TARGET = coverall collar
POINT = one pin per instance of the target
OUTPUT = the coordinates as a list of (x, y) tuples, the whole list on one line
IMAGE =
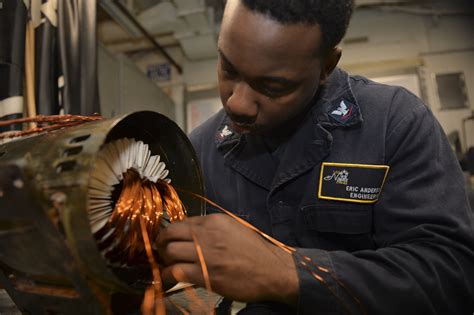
[(335, 107)]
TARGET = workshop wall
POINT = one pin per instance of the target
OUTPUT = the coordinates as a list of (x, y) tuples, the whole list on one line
[(173, 85), (374, 36), (447, 63), (199, 75), (380, 44), (123, 88)]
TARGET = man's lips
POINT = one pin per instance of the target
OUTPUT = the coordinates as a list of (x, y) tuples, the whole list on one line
[(240, 128)]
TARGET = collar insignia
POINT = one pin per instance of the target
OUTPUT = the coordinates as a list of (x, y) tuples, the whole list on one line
[(343, 112), (225, 132), (225, 135)]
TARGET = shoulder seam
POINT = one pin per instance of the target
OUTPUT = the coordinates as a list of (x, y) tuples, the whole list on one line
[(405, 119)]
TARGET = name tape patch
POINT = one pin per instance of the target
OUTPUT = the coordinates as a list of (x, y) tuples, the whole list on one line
[(359, 183)]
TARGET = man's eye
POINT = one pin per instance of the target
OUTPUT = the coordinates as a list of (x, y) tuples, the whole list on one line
[(273, 92), (229, 73)]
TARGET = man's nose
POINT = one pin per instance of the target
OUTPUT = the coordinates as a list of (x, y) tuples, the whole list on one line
[(242, 105)]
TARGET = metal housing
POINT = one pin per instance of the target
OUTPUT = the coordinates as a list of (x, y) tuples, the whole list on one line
[(48, 257)]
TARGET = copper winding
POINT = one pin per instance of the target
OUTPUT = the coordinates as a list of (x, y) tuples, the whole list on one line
[(134, 225), (121, 237)]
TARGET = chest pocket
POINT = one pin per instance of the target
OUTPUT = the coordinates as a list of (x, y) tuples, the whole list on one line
[(339, 225)]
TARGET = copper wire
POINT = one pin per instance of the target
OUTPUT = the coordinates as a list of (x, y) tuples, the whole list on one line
[(205, 273), (134, 224), (189, 292), (179, 307), (121, 238), (45, 124), (318, 277), (157, 287), (56, 119)]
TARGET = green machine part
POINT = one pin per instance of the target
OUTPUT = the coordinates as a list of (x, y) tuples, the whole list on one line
[(49, 260)]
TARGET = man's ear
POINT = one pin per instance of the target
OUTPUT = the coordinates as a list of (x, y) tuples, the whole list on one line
[(330, 62)]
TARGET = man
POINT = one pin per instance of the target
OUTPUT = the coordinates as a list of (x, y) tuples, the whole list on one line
[(356, 175)]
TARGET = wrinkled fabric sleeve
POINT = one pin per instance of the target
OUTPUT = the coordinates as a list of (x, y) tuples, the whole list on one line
[(422, 227)]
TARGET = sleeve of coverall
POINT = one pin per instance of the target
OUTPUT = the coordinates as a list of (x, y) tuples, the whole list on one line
[(423, 229)]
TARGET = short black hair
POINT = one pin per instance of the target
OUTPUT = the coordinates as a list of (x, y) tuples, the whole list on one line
[(332, 16)]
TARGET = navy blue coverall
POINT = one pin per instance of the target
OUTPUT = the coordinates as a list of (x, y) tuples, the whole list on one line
[(398, 239)]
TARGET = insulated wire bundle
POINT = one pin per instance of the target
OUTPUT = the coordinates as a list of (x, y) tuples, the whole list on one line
[(129, 187)]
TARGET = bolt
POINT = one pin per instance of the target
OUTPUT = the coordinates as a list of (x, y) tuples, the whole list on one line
[(18, 183), (59, 199)]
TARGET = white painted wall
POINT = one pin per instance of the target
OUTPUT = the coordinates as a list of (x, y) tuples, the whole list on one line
[(174, 88), (390, 36), (447, 63), (400, 43), (123, 88), (394, 35), (197, 75), (409, 81)]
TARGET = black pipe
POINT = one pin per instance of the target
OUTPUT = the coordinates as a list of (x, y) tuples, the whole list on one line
[(464, 121), (78, 51), (13, 16), (147, 35), (47, 68)]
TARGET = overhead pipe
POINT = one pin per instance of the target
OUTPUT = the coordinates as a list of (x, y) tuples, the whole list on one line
[(147, 35)]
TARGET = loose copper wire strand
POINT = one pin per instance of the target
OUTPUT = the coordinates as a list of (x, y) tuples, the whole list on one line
[(285, 247), (180, 308), (148, 303), (57, 119), (324, 282), (198, 303), (179, 276), (54, 121), (205, 273), (158, 289), (339, 282)]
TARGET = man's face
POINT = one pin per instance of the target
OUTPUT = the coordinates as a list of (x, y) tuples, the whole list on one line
[(268, 72)]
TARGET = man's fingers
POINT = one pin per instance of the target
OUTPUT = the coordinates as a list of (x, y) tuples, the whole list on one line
[(179, 231), (184, 272), (178, 252)]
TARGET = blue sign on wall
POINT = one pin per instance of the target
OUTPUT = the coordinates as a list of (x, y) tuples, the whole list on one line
[(159, 72)]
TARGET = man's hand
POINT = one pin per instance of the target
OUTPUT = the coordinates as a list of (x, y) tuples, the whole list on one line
[(242, 265)]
